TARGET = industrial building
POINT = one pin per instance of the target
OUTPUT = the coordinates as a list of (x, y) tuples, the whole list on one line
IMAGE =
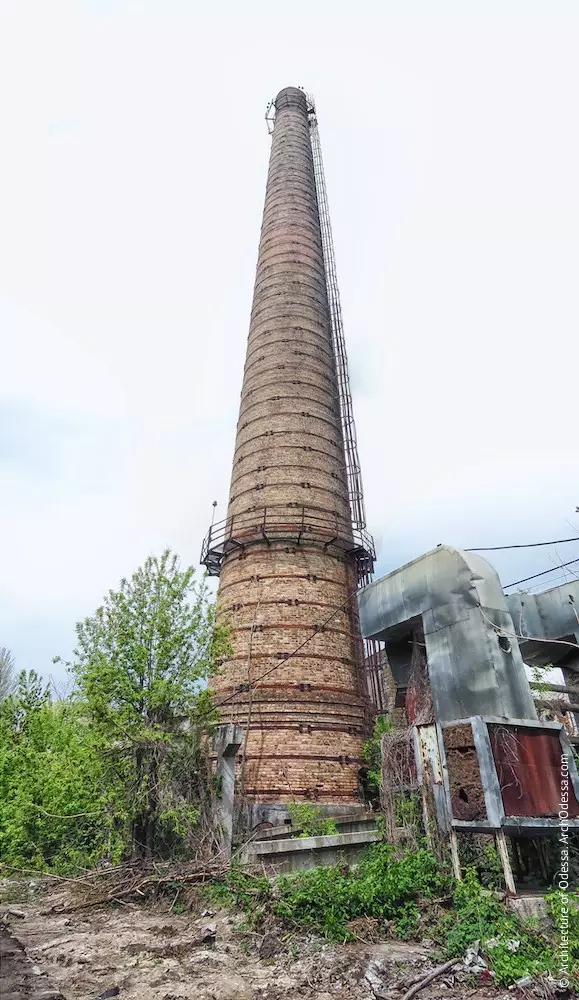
[(470, 733)]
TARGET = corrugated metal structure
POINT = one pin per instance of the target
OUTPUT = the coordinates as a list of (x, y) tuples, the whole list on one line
[(552, 614), (548, 628), (489, 763), (290, 555), (456, 599)]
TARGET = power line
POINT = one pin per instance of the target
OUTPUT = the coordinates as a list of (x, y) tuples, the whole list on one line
[(552, 583), (530, 545), (544, 573)]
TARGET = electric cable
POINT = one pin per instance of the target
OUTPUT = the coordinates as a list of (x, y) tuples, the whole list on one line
[(543, 573), (529, 545)]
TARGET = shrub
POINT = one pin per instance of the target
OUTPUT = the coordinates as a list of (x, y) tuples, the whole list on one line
[(373, 754), (384, 885), (512, 949), (56, 810), (310, 820), (404, 890)]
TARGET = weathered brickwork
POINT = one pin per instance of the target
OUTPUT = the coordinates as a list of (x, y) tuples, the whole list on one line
[(305, 716)]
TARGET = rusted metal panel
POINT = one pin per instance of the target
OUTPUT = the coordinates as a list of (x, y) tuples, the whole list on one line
[(528, 763)]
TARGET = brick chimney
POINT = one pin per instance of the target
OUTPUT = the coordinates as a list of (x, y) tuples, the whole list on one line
[(286, 554)]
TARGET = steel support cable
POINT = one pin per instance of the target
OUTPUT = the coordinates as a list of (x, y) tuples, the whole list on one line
[(321, 627), (282, 662), (497, 628)]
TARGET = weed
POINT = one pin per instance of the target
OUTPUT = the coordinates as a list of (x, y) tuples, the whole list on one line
[(404, 890), (310, 820), (373, 754), (480, 853), (408, 810), (385, 885), (513, 949)]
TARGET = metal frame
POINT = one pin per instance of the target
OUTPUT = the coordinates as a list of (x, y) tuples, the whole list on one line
[(495, 812), (270, 116), (497, 823), (479, 725), (286, 523), (353, 468)]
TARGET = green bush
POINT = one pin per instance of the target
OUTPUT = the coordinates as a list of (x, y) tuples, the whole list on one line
[(310, 820), (121, 767), (478, 851), (512, 948), (373, 754), (55, 809), (404, 891), (383, 885)]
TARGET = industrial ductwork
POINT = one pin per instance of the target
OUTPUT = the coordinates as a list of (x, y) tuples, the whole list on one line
[(474, 667)]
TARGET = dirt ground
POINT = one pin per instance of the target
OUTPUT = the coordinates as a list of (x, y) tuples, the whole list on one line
[(149, 953)]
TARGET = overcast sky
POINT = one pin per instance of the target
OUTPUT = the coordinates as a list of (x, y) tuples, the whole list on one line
[(132, 173)]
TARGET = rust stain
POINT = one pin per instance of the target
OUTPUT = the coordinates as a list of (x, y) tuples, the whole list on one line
[(528, 763), (466, 790)]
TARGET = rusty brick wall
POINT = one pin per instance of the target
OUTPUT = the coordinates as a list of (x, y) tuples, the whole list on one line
[(307, 718), (466, 790)]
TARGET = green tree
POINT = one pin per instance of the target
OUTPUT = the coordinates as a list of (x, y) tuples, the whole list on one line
[(142, 665), (55, 809), (7, 673)]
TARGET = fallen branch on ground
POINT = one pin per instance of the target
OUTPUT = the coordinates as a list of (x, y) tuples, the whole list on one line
[(429, 978), (133, 883), (39, 874)]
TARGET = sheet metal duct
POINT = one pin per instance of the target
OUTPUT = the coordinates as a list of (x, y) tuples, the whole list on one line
[(452, 593), (549, 615)]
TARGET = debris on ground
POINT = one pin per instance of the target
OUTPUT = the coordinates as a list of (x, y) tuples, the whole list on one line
[(149, 952), (20, 978), (143, 953)]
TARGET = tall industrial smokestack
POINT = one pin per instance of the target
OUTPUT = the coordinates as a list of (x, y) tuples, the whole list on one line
[(288, 555)]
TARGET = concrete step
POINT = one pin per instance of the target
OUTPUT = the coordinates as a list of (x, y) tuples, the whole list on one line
[(299, 853), (355, 823)]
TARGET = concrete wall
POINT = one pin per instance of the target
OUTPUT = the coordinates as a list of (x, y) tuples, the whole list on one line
[(298, 854)]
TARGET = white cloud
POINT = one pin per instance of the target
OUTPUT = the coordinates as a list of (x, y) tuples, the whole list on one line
[(131, 187)]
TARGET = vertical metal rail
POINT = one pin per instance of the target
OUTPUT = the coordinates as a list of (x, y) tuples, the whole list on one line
[(372, 649), (355, 491)]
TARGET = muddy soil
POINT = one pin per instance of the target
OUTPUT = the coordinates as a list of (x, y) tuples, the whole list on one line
[(19, 978), (149, 953)]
